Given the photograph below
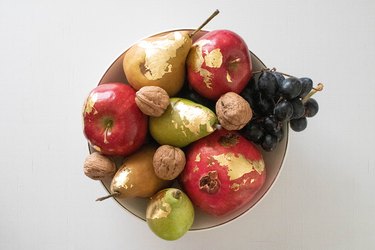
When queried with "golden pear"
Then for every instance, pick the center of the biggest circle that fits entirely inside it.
(158, 61)
(136, 176)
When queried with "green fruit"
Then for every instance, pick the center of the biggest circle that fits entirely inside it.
(182, 123)
(170, 214)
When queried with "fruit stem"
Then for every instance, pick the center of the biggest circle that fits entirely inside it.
(107, 131)
(316, 89)
(108, 196)
(204, 23)
(273, 70)
(285, 74)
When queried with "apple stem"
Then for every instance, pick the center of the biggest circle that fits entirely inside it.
(107, 132)
(204, 23)
(316, 89)
(108, 196)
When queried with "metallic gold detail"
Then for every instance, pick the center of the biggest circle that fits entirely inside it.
(195, 169)
(158, 54)
(237, 165)
(90, 102)
(97, 148)
(198, 157)
(192, 118)
(198, 60)
(259, 166)
(214, 59)
(121, 179)
(159, 209)
(235, 186)
(207, 77)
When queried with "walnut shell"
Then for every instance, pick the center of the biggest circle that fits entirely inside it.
(233, 111)
(168, 162)
(98, 167)
(152, 100)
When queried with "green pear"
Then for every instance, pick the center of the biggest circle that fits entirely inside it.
(182, 123)
(170, 214)
(158, 61)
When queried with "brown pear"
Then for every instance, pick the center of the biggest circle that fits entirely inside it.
(136, 176)
(158, 61)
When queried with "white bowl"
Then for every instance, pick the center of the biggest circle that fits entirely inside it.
(273, 161)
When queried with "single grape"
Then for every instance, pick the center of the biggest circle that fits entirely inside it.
(279, 77)
(311, 107)
(253, 131)
(290, 88)
(262, 105)
(267, 83)
(298, 124)
(271, 124)
(307, 85)
(283, 110)
(269, 142)
(298, 108)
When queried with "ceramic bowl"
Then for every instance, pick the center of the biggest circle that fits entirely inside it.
(273, 161)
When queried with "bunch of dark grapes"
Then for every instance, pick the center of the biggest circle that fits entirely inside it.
(277, 100)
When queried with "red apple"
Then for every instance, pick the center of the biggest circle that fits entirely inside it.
(217, 63)
(113, 123)
(223, 172)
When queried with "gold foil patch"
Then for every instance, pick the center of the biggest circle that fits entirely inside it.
(90, 102)
(198, 60)
(198, 157)
(160, 209)
(121, 180)
(214, 59)
(193, 118)
(237, 165)
(235, 186)
(159, 52)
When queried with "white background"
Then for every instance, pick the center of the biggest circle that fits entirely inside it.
(53, 53)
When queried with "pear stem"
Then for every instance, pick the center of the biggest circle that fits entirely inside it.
(107, 196)
(204, 23)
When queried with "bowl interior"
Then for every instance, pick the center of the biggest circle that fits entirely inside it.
(273, 160)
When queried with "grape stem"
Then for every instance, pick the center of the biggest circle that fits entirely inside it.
(316, 89)
(273, 70)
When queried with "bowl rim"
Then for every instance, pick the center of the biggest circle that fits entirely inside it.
(259, 198)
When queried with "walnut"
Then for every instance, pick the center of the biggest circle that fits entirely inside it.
(233, 111)
(168, 162)
(98, 167)
(152, 100)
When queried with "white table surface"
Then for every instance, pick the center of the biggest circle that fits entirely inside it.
(52, 53)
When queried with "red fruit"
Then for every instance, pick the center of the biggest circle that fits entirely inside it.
(223, 172)
(113, 123)
(219, 62)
